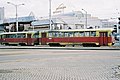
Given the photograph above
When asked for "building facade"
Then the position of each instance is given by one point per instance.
(106, 23)
(78, 20)
(72, 20)
(1, 13)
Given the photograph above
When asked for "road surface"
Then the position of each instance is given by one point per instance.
(41, 64)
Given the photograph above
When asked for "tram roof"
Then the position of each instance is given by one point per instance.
(72, 30)
(18, 32)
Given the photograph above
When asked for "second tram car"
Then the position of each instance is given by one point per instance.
(20, 38)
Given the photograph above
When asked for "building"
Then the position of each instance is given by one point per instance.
(78, 20)
(72, 20)
(23, 23)
(107, 23)
(1, 13)
(1, 19)
(43, 24)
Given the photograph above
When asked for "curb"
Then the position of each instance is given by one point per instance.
(64, 48)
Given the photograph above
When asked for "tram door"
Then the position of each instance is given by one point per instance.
(103, 41)
(0, 38)
(36, 36)
(43, 39)
(29, 40)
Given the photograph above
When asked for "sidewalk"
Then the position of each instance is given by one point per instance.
(61, 48)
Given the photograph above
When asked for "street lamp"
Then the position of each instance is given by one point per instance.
(50, 15)
(118, 21)
(86, 17)
(16, 6)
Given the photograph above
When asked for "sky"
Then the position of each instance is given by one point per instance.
(104, 9)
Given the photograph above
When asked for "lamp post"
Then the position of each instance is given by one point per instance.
(50, 15)
(85, 18)
(118, 16)
(16, 7)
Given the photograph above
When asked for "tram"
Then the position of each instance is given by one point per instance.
(85, 37)
(19, 38)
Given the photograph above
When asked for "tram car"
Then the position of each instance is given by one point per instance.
(20, 38)
(85, 37)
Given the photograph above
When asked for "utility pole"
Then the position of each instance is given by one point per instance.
(16, 7)
(50, 15)
(85, 19)
(118, 31)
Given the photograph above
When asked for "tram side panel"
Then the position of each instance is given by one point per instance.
(8, 41)
(74, 40)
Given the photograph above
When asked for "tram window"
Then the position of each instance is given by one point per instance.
(93, 33)
(6, 36)
(66, 34)
(36, 35)
(106, 34)
(24, 35)
(61, 34)
(2, 36)
(101, 34)
(76, 34)
(13, 36)
(82, 34)
(70, 34)
(50, 34)
(10, 36)
(21, 35)
(87, 34)
(110, 34)
(18, 36)
(55, 34)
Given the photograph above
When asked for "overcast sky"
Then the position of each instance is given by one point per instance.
(97, 8)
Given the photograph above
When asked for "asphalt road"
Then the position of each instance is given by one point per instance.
(41, 64)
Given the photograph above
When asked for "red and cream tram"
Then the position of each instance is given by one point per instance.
(85, 37)
(20, 38)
